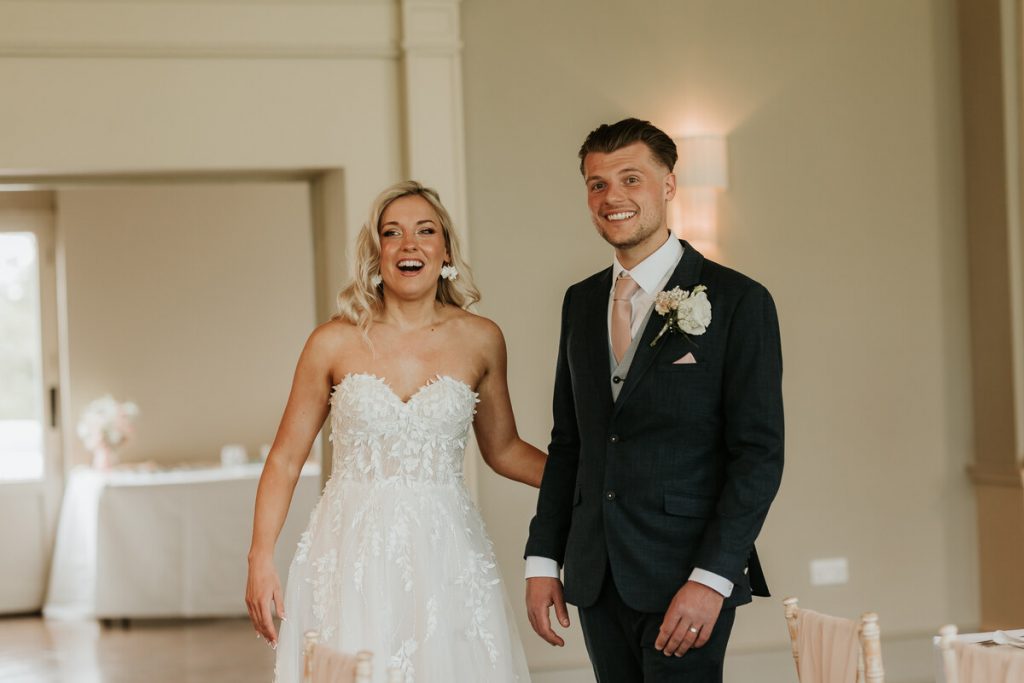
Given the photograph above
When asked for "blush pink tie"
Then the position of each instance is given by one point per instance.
(622, 314)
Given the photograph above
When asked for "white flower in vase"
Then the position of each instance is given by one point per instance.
(105, 426)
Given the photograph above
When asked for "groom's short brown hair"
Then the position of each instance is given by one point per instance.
(610, 137)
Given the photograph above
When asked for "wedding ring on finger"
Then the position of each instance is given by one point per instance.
(694, 630)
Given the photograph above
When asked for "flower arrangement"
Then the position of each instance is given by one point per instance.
(104, 426)
(686, 311)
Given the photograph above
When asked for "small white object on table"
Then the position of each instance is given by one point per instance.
(172, 543)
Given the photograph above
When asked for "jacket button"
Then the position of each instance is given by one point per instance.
(610, 495)
(614, 438)
(616, 379)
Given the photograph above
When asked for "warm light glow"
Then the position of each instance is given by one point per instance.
(693, 216)
(701, 173)
(702, 161)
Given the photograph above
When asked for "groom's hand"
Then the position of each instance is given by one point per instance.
(541, 593)
(689, 620)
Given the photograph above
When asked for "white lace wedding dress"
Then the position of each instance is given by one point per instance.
(395, 559)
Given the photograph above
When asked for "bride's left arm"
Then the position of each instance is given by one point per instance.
(495, 425)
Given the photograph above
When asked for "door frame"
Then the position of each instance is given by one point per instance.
(35, 214)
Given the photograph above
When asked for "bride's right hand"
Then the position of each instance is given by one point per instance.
(262, 589)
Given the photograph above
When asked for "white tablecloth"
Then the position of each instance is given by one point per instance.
(163, 544)
(940, 676)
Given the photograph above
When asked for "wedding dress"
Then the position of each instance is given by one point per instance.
(396, 559)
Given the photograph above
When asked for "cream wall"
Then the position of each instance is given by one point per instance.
(165, 86)
(152, 114)
(845, 200)
(192, 300)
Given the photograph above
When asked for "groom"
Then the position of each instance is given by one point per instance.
(667, 444)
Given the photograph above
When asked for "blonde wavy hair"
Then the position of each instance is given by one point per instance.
(360, 300)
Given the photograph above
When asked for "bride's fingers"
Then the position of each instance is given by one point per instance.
(279, 603)
(252, 619)
(254, 615)
(267, 622)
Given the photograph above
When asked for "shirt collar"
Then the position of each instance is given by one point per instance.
(652, 270)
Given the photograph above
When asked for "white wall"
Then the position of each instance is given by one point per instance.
(845, 200)
(192, 300)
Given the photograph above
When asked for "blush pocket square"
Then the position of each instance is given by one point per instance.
(688, 359)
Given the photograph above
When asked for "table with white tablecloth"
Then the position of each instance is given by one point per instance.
(172, 543)
(1011, 658)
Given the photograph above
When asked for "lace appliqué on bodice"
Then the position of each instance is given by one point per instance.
(380, 438)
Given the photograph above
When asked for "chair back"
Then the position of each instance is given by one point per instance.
(324, 664)
(870, 636)
(828, 649)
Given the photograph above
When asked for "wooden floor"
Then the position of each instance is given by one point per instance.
(34, 650)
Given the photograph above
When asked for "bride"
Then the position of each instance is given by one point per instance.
(395, 558)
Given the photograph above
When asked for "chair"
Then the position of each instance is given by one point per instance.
(829, 649)
(968, 659)
(323, 664)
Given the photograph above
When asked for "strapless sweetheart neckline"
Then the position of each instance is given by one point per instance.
(423, 387)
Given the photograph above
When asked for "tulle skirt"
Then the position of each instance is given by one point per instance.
(408, 573)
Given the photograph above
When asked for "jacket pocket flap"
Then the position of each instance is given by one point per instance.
(688, 506)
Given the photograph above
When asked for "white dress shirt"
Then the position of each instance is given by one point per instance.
(652, 274)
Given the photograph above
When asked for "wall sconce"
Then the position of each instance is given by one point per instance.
(701, 173)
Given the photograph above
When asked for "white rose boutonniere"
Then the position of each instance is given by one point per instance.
(684, 311)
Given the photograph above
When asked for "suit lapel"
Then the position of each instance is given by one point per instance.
(686, 275)
(594, 329)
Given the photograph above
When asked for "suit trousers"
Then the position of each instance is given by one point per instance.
(620, 642)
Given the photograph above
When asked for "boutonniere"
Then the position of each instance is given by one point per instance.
(684, 311)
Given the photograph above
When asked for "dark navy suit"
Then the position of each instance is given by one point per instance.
(680, 470)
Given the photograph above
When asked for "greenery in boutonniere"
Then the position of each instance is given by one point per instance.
(686, 311)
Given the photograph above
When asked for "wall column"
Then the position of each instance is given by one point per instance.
(991, 122)
(433, 123)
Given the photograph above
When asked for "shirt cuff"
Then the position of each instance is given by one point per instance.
(713, 581)
(537, 566)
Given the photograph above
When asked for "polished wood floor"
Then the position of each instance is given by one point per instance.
(35, 650)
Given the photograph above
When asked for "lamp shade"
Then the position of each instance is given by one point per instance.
(702, 161)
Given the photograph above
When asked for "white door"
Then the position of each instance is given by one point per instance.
(30, 473)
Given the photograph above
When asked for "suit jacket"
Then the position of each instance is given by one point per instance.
(677, 473)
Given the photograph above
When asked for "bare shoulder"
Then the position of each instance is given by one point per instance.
(478, 331)
(331, 337)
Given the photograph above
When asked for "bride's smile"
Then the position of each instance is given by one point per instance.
(412, 247)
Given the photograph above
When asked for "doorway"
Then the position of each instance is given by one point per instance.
(30, 435)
